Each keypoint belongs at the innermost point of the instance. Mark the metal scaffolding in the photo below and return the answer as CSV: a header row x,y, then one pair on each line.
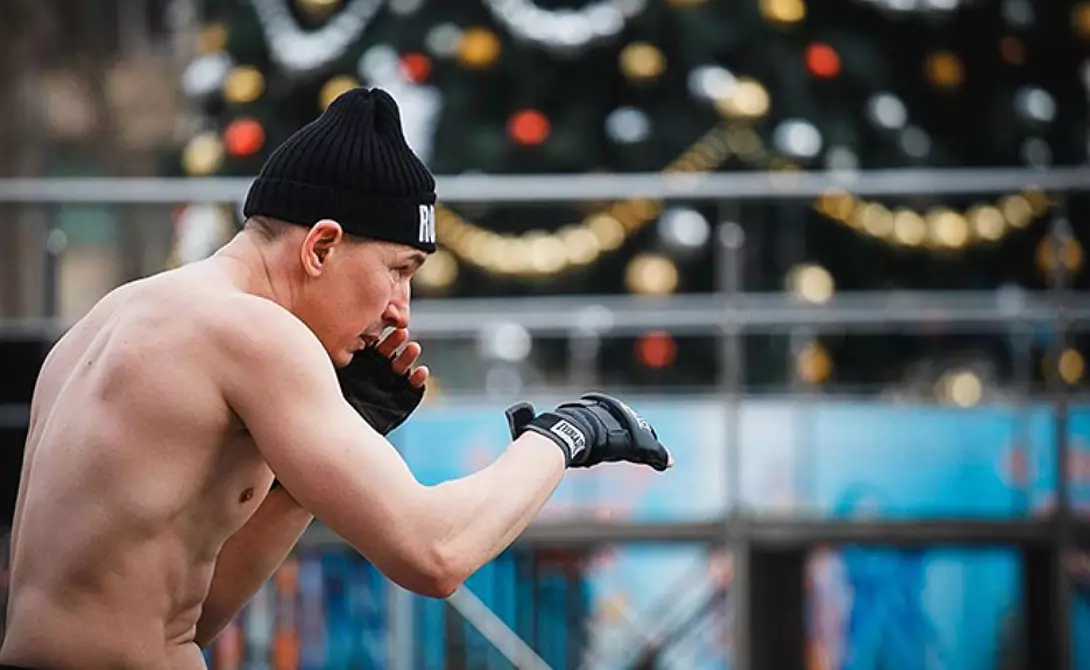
x,y
731,314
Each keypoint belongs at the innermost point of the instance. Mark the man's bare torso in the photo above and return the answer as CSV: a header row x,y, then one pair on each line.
x,y
136,473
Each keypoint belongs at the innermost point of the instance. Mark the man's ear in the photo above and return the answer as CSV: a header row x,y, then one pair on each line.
x,y
322,238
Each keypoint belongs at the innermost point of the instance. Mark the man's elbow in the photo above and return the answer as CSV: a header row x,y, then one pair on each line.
x,y
439,587
435,574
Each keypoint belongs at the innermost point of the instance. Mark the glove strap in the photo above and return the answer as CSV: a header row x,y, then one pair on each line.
x,y
564,431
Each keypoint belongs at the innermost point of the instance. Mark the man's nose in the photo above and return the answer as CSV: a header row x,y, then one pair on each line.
x,y
397,310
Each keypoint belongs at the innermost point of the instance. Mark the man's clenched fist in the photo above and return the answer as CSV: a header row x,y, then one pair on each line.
x,y
382,385
596,428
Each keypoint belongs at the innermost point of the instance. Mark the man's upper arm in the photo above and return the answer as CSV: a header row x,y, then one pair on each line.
x,y
282,384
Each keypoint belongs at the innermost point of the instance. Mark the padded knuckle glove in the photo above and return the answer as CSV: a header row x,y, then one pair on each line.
x,y
594,429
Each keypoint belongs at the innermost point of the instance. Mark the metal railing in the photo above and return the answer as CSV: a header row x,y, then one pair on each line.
x,y
496,189
728,314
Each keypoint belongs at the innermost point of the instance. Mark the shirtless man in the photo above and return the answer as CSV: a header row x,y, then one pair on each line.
x,y
149,512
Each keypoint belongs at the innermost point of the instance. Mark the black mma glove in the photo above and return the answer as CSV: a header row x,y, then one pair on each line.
x,y
595,429
382,397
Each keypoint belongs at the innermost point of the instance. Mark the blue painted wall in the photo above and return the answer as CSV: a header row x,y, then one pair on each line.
x,y
868,609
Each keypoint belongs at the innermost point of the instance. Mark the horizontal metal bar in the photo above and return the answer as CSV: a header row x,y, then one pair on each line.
x,y
796,533
791,533
755,313
585,187
779,532
594,533
551,534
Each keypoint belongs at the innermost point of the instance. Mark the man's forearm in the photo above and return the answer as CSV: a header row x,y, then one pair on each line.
x,y
250,558
478,516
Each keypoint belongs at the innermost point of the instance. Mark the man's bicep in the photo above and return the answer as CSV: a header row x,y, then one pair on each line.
x,y
321,451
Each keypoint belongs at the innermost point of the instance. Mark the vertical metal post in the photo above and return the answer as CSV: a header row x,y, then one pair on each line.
x,y
1061,235
801,444
792,250
55,244
730,239
584,345
1022,336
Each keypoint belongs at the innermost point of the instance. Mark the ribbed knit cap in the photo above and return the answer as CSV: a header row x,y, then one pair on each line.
x,y
353,165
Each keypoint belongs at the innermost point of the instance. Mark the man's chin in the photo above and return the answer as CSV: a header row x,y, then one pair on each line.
x,y
343,359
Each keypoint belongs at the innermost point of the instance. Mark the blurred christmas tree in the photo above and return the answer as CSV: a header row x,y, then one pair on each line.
x,y
543,86
510,86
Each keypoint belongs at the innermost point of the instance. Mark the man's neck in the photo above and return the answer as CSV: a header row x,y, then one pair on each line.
x,y
252,264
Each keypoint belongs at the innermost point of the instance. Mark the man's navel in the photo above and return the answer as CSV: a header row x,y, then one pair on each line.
x,y
246,495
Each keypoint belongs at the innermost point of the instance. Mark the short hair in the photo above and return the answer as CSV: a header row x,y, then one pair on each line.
x,y
270,229
267,228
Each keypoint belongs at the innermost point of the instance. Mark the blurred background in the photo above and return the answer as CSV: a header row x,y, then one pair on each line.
x,y
835,251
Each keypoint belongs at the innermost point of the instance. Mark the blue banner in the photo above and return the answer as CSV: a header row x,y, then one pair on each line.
x,y
868,609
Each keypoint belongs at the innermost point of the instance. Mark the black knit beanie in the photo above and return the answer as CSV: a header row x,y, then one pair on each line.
x,y
352,165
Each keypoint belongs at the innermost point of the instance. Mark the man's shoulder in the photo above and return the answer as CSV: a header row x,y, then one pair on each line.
x,y
255,323
201,311
263,351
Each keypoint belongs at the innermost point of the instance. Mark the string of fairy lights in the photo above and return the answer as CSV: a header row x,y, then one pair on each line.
x,y
743,105
742,102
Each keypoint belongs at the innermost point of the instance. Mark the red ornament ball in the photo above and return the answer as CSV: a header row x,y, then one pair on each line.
x,y
244,137
416,67
528,127
822,60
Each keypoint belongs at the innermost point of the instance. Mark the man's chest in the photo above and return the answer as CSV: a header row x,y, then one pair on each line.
x,y
238,481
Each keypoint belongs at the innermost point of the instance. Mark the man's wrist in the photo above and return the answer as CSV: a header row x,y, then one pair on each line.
x,y
536,442
567,429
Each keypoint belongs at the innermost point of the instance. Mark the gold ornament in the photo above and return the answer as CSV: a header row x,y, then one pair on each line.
x,y
813,364
211,39
317,11
1070,252
812,283
1080,20
748,99
962,388
335,88
945,70
244,84
641,61
203,155
478,48
783,11
651,274
1071,366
